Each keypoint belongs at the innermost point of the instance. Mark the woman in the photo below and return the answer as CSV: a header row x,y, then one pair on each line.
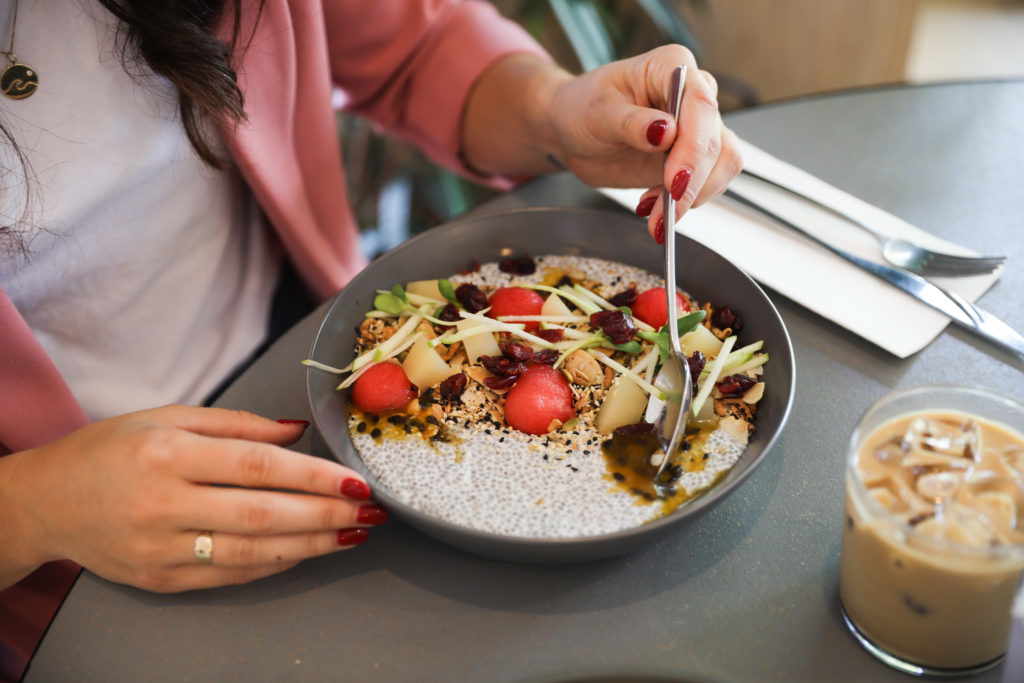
x,y
139,273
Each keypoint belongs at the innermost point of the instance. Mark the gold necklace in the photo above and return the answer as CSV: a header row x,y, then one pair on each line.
x,y
18,80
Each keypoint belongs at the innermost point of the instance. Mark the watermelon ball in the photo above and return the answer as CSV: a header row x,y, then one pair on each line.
x,y
516,301
382,387
540,396
651,306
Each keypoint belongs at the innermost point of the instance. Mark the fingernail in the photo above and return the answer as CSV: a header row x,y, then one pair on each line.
x,y
659,231
353,536
656,131
355,489
304,423
371,514
679,183
645,206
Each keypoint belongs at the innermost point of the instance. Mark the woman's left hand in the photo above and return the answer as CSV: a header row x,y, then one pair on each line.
x,y
610,127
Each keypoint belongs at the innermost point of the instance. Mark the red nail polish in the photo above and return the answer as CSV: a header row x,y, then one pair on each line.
x,y
645,206
304,423
659,231
355,489
371,514
656,131
353,536
679,183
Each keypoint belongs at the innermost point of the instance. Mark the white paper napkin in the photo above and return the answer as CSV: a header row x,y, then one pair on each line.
x,y
835,289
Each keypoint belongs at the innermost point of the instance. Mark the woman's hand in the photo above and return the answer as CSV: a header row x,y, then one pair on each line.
x,y
609,126
127,497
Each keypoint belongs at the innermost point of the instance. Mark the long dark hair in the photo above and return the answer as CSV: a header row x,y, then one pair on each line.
x,y
176,40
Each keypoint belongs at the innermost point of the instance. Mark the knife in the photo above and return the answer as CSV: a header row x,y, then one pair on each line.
x,y
960,310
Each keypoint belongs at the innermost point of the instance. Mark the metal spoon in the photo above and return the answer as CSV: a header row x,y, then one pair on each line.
x,y
674,378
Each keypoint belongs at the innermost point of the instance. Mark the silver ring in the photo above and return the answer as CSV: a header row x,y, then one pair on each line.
x,y
203,547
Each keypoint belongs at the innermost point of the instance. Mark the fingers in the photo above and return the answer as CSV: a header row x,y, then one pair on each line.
x,y
252,464
237,424
235,550
645,129
237,559
702,156
727,166
245,511
698,144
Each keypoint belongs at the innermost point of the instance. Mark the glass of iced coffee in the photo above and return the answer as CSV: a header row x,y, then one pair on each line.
x,y
933,539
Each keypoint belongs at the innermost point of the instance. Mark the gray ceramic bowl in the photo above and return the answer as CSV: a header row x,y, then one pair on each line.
x,y
611,235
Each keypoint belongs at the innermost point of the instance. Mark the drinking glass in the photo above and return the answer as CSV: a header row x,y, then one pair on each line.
x,y
933,537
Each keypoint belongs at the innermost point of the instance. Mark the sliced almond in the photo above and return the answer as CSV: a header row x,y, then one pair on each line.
x,y
754,393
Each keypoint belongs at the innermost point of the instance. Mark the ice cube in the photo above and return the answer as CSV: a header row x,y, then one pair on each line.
x,y
938,486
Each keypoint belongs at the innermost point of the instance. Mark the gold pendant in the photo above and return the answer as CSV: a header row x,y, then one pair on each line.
x,y
19,81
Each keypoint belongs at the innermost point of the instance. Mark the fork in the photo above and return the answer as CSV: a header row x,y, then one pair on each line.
x,y
902,253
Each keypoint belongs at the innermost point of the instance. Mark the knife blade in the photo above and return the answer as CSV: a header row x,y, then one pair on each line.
x,y
957,308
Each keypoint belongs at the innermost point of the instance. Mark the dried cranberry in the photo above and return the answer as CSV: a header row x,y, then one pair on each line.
x,y
474,266
449,314
501,366
619,327
552,335
516,351
500,382
626,297
735,386
471,297
696,361
546,356
518,265
638,428
451,389
723,318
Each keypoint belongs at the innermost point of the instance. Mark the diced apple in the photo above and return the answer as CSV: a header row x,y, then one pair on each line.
x,y
624,404
554,305
700,339
478,345
427,288
424,367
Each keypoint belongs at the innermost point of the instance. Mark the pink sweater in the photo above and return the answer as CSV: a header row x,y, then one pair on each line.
x,y
406,64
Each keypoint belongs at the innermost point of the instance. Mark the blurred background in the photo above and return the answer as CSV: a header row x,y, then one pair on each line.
x,y
761,51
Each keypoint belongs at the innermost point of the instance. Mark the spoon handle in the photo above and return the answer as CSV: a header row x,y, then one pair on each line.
x,y
669,218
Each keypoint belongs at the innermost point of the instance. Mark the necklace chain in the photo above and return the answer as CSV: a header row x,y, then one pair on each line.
x,y
9,52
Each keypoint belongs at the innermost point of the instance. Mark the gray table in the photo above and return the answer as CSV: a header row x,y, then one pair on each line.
x,y
748,592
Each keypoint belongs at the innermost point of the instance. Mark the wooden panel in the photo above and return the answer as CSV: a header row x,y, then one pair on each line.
x,y
784,48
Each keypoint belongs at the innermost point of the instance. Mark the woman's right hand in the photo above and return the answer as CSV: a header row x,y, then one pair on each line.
x,y
127,497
